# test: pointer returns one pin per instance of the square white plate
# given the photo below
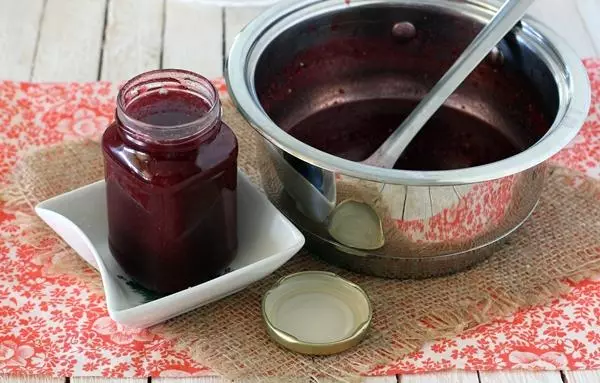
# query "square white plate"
(267, 240)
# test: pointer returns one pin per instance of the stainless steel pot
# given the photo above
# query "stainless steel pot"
(389, 222)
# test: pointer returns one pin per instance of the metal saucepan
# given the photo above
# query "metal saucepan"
(300, 60)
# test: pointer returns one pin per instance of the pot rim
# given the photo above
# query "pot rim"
(569, 73)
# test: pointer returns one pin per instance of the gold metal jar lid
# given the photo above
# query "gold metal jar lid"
(316, 313)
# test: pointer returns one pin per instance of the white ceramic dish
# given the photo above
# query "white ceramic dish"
(266, 241)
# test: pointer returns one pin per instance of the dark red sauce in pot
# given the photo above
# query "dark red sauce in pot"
(346, 95)
(171, 178)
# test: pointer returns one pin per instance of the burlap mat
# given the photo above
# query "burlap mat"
(559, 242)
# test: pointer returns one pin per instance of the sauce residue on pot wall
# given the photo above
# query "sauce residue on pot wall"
(451, 140)
(314, 98)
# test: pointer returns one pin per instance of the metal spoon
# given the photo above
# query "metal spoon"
(390, 151)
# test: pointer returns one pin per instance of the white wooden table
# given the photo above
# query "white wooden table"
(86, 40)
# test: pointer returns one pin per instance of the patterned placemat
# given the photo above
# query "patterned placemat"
(54, 324)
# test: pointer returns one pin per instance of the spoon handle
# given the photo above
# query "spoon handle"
(390, 151)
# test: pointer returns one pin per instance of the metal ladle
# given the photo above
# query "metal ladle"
(507, 17)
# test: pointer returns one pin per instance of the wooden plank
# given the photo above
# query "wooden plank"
(462, 190)
(193, 37)
(418, 203)
(380, 379)
(589, 11)
(582, 376)
(19, 47)
(394, 197)
(240, 3)
(442, 197)
(70, 41)
(107, 380)
(235, 20)
(563, 17)
(442, 377)
(520, 377)
(133, 38)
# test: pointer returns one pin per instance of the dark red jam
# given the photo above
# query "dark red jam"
(452, 139)
(171, 178)
(346, 95)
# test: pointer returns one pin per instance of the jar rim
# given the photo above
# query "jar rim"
(178, 132)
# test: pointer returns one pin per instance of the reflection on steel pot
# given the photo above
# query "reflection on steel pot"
(324, 82)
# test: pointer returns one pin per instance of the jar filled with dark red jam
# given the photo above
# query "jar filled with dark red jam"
(171, 178)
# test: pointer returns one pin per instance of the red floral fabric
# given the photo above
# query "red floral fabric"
(54, 325)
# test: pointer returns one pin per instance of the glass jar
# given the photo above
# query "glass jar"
(171, 178)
